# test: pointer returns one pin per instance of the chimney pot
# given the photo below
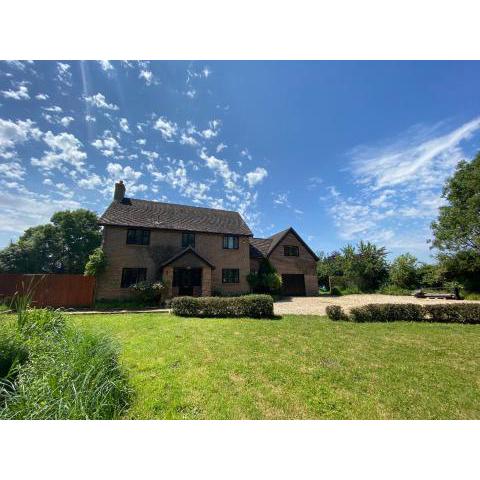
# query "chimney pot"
(119, 193)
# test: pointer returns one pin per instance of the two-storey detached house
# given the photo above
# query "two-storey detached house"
(197, 251)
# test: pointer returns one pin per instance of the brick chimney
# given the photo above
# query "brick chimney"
(119, 193)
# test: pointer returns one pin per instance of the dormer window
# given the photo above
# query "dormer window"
(138, 236)
(230, 242)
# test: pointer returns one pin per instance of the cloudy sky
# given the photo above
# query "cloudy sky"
(341, 151)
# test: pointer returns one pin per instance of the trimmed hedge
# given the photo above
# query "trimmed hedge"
(409, 312)
(255, 306)
(335, 312)
(388, 312)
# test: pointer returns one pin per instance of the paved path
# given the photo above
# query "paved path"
(317, 305)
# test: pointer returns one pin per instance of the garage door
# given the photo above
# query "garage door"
(293, 284)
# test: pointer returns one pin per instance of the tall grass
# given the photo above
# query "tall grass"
(65, 373)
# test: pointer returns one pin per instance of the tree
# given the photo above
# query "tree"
(403, 271)
(62, 246)
(328, 266)
(457, 229)
(266, 280)
(367, 263)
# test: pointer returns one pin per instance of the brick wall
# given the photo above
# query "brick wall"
(163, 245)
(304, 263)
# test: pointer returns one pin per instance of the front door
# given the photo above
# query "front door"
(187, 278)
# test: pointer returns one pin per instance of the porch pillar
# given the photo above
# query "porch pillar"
(167, 277)
(206, 282)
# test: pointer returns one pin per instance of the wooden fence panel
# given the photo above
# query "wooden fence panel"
(51, 290)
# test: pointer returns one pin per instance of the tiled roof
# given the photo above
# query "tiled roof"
(131, 212)
(263, 247)
(259, 247)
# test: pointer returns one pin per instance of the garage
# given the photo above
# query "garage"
(293, 284)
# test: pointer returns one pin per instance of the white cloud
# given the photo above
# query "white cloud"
(188, 140)
(255, 177)
(167, 129)
(146, 75)
(399, 186)
(150, 155)
(212, 131)
(206, 72)
(124, 125)
(221, 168)
(106, 65)
(20, 94)
(90, 118)
(66, 121)
(108, 145)
(281, 199)
(12, 170)
(191, 93)
(220, 147)
(64, 148)
(313, 183)
(98, 100)
(54, 109)
(42, 96)
(141, 141)
(23, 210)
(90, 182)
(64, 74)
(13, 133)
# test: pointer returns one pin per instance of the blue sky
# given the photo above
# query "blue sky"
(341, 151)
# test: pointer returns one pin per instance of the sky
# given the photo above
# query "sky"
(341, 151)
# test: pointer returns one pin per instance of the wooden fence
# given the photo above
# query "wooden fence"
(50, 290)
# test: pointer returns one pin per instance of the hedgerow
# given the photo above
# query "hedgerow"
(409, 312)
(255, 306)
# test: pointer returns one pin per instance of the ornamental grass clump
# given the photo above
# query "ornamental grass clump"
(51, 370)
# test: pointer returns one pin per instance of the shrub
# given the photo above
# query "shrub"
(266, 280)
(149, 292)
(68, 374)
(255, 306)
(96, 263)
(387, 312)
(453, 313)
(394, 290)
(335, 312)
(335, 292)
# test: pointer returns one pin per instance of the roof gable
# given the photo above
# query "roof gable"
(264, 247)
(185, 251)
(131, 212)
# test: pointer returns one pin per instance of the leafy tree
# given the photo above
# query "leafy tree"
(430, 275)
(457, 229)
(367, 263)
(62, 246)
(328, 266)
(403, 271)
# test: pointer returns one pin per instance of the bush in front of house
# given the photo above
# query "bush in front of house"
(96, 263)
(254, 306)
(56, 371)
(266, 280)
(335, 312)
(149, 292)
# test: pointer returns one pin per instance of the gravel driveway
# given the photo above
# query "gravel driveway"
(317, 305)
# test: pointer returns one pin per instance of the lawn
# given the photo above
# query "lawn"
(297, 367)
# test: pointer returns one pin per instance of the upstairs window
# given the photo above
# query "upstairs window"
(131, 276)
(230, 241)
(188, 240)
(290, 251)
(137, 236)
(230, 275)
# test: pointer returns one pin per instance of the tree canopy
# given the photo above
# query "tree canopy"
(62, 246)
(457, 229)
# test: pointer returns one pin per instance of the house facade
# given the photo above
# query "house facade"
(197, 251)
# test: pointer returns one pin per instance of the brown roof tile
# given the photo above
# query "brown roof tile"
(169, 216)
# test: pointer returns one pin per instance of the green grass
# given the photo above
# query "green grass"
(298, 367)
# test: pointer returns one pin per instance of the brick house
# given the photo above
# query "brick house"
(197, 251)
